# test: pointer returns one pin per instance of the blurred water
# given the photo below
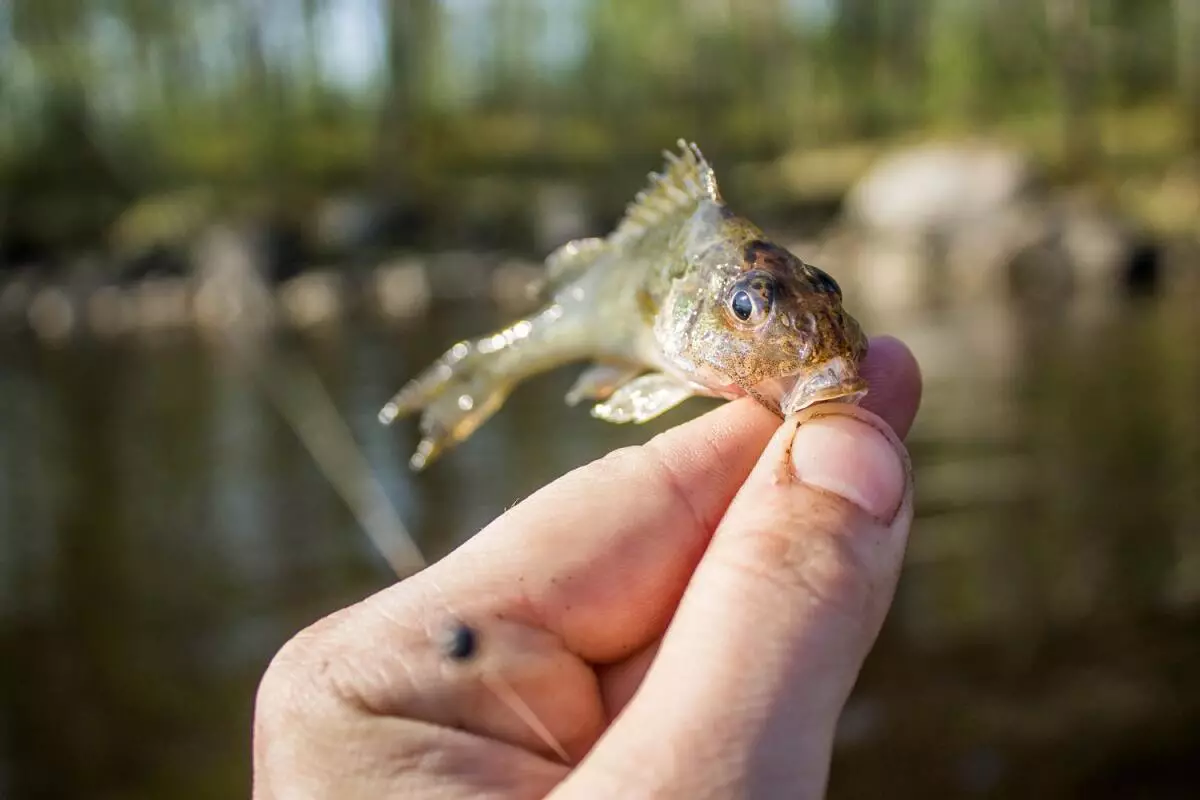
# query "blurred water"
(162, 533)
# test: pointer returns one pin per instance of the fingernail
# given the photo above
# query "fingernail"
(848, 457)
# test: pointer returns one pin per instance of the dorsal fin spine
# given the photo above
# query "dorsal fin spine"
(686, 181)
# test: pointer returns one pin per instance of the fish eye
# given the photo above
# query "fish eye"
(742, 305)
(824, 282)
(750, 299)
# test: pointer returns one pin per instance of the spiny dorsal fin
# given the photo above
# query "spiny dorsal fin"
(686, 180)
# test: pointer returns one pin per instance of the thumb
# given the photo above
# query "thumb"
(745, 692)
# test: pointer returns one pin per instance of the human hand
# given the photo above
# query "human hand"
(685, 618)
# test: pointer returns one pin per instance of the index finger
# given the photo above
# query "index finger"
(601, 556)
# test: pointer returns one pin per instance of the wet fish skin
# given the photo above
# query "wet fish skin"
(684, 298)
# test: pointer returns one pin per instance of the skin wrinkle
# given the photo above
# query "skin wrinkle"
(826, 567)
(361, 691)
(296, 687)
(422, 754)
(439, 752)
(677, 490)
(363, 694)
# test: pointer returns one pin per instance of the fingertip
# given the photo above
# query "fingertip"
(894, 376)
(851, 458)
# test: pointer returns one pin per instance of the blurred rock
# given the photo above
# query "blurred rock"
(1077, 246)
(978, 259)
(313, 298)
(933, 224)
(161, 303)
(893, 274)
(109, 311)
(401, 288)
(938, 188)
(52, 314)
(964, 224)
(230, 284)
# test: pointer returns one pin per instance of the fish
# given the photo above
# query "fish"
(684, 298)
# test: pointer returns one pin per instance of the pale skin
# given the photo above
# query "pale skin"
(686, 618)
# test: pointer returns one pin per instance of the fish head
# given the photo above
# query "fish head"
(775, 328)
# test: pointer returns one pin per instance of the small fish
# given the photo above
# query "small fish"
(684, 298)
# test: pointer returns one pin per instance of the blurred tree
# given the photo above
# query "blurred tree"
(1134, 58)
(412, 42)
(855, 41)
(1187, 57)
(308, 96)
(953, 66)
(1070, 21)
(312, 11)
(512, 72)
(63, 169)
(638, 51)
(903, 68)
(263, 92)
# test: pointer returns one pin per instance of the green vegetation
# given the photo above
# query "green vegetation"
(276, 104)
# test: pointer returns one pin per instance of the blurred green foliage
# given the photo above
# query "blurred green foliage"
(103, 101)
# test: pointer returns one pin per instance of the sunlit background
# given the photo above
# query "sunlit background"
(229, 230)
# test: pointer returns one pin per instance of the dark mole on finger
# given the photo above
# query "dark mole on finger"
(460, 642)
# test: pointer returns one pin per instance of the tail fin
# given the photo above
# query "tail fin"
(455, 395)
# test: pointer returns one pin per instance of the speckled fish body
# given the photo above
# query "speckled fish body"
(684, 298)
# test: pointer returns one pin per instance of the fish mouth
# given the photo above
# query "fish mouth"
(834, 380)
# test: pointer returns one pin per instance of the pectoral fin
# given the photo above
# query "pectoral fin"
(600, 380)
(643, 399)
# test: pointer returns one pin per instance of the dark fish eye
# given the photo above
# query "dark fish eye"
(825, 282)
(751, 298)
(742, 305)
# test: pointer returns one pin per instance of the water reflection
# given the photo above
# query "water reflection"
(163, 532)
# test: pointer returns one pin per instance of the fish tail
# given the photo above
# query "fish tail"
(455, 395)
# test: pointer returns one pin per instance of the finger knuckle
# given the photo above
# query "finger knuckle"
(297, 676)
(623, 460)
